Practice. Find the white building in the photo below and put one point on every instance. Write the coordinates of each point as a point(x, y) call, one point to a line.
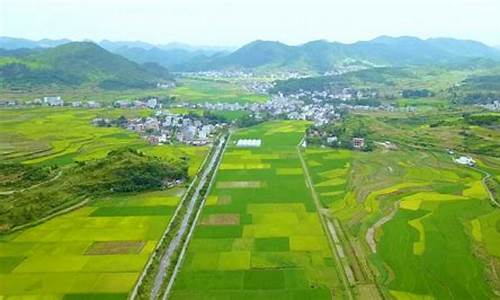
point(53, 101)
point(465, 160)
point(151, 103)
point(249, 143)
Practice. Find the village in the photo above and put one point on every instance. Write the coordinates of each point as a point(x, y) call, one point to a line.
point(165, 127)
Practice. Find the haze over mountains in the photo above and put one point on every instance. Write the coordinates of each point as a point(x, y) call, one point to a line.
point(135, 64)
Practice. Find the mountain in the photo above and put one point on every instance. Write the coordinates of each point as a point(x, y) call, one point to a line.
point(316, 56)
point(323, 56)
point(78, 63)
point(9, 43)
point(168, 58)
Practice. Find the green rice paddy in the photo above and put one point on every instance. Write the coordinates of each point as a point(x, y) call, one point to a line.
point(259, 234)
point(62, 136)
point(442, 241)
point(201, 91)
point(97, 251)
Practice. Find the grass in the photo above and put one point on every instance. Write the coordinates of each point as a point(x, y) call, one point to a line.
point(279, 248)
point(201, 91)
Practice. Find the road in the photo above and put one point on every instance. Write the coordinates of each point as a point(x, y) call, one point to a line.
point(185, 224)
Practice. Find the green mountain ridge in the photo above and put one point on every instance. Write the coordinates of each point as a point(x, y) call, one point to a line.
point(323, 56)
point(75, 64)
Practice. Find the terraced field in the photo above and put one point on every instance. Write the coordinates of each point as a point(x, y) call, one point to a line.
point(423, 224)
point(62, 136)
point(259, 235)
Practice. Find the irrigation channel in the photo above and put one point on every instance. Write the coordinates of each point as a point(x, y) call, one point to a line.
point(186, 216)
point(349, 260)
point(335, 245)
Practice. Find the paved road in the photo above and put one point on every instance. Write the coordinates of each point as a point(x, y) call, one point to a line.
point(185, 225)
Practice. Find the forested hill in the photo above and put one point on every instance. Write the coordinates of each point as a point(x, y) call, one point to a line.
point(323, 56)
point(75, 64)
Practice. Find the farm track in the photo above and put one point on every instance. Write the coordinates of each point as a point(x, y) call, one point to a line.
point(485, 186)
point(33, 186)
point(187, 222)
point(335, 244)
point(370, 233)
point(63, 211)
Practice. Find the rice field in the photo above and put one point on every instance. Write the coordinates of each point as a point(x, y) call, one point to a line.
point(259, 234)
point(201, 91)
point(439, 238)
point(62, 136)
point(97, 251)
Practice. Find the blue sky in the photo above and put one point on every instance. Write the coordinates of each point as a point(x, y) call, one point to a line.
point(235, 22)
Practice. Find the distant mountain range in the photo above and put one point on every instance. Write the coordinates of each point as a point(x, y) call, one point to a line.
point(322, 56)
point(316, 56)
point(76, 64)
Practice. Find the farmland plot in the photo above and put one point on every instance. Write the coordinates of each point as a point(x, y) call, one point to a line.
point(259, 234)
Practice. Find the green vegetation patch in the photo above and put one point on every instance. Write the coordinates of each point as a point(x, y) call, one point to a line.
point(158, 210)
point(96, 296)
point(272, 244)
point(9, 263)
point(264, 280)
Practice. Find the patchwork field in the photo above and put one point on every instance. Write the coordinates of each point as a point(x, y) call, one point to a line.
point(197, 90)
point(259, 234)
point(95, 252)
point(434, 233)
point(98, 250)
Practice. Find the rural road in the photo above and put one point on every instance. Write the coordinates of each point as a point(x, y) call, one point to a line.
point(177, 240)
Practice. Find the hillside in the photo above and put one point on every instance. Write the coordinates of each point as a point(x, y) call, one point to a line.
point(322, 56)
point(75, 64)
point(168, 58)
point(122, 170)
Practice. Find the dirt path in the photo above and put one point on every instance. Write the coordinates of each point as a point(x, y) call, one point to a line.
point(33, 186)
point(485, 186)
point(55, 214)
point(370, 233)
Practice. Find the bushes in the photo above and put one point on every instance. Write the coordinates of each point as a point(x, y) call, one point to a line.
point(128, 170)
point(17, 175)
point(123, 170)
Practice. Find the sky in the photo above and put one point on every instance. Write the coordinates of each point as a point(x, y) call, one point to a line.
point(236, 22)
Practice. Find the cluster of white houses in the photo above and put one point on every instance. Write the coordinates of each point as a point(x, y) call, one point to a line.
point(165, 127)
